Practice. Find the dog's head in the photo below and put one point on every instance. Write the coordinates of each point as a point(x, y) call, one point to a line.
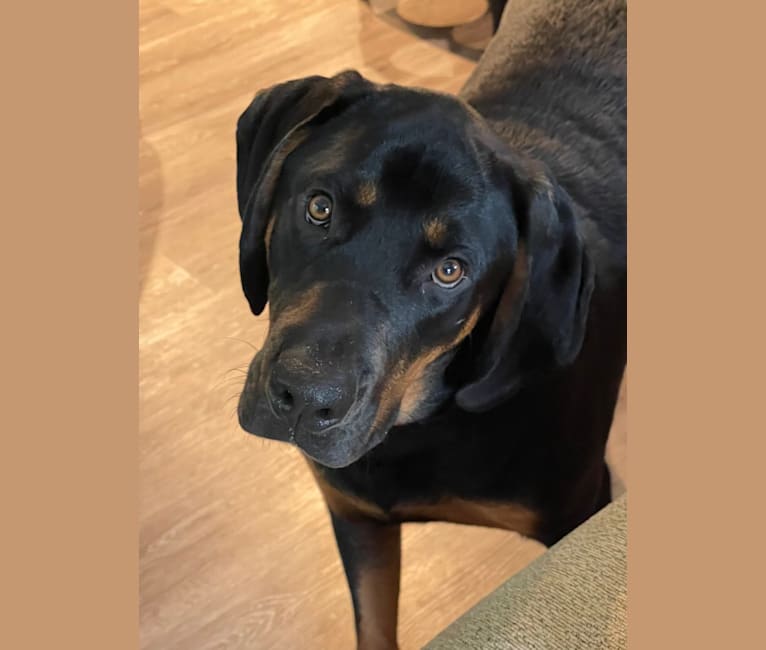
point(385, 226)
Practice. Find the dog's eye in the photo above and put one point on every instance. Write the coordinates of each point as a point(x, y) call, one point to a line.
point(319, 210)
point(448, 273)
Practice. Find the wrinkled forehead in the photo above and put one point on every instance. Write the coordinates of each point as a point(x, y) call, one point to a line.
point(399, 150)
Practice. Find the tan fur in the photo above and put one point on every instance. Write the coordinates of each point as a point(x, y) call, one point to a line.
point(343, 505)
point(388, 397)
point(407, 384)
point(377, 580)
point(267, 236)
point(510, 306)
point(293, 141)
point(543, 184)
point(366, 194)
point(411, 400)
point(299, 312)
point(435, 231)
point(510, 516)
point(377, 592)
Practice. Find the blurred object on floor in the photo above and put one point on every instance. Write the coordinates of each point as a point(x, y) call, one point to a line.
point(474, 35)
point(441, 13)
point(463, 28)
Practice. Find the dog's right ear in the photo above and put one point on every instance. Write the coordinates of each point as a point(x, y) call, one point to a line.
point(269, 129)
point(540, 320)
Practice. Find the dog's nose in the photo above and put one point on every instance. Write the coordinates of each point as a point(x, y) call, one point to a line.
point(309, 396)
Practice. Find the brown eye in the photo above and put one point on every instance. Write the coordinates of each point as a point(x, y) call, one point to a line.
point(319, 209)
point(449, 273)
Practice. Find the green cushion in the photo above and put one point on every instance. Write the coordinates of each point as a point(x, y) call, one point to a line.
point(570, 598)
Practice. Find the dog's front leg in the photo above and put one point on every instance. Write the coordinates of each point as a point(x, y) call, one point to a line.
point(371, 553)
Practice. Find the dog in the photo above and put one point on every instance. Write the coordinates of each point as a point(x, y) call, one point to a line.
point(446, 280)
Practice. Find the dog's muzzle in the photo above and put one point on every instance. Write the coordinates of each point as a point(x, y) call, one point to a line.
point(308, 396)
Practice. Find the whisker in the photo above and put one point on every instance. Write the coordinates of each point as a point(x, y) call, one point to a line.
point(227, 382)
point(234, 338)
point(228, 399)
point(242, 369)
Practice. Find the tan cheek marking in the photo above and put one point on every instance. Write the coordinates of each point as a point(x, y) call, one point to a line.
point(415, 382)
point(468, 326)
point(367, 194)
point(510, 516)
point(298, 313)
point(413, 396)
point(435, 231)
point(403, 377)
point(391, 393)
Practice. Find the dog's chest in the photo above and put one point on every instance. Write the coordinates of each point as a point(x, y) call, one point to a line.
point(396, 494)
point(510, 516)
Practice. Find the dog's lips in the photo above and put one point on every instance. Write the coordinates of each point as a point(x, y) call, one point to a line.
point(338, 448)
point(344, 443)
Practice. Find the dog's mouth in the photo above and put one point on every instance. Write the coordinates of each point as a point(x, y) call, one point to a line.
point(340, 447)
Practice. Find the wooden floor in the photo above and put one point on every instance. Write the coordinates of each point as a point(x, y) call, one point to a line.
point(236, 547)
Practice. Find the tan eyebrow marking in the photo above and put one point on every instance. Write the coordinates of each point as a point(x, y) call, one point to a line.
point(435, 231)
point(366, 194)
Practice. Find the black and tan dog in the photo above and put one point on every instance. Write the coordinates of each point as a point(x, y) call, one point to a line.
point(446, 279)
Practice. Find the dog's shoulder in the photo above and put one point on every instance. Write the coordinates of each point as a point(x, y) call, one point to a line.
point(552, 84)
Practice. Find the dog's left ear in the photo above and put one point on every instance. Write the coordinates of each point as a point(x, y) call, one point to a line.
point(267, 132)
point(540, 319)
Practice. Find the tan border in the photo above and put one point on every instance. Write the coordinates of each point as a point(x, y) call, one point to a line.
point(69, 478)
point(696, 239)
point(69, 470)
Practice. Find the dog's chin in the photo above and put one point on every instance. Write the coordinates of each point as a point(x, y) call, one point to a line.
point(335, 455)
point(340, 447)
